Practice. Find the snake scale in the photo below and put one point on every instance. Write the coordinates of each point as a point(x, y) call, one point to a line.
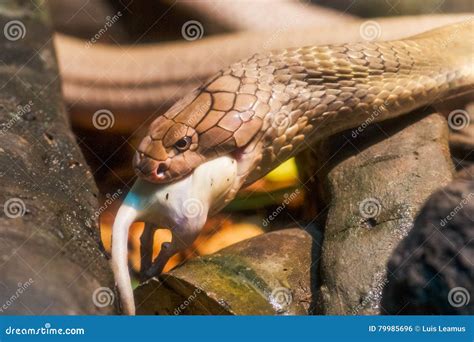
point(266, 108)
point(159, 74)
point(258, 112)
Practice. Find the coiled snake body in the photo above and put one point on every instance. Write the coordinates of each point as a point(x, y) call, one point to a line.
point(266, 108)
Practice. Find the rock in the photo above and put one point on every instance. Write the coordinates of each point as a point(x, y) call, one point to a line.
point(431, 272)
point(266, 275)
point(372, 180)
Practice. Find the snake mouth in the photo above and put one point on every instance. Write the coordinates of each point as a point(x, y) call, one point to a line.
point(152, 177)
point(151, 169)
point(161, 171)
point(238, 154)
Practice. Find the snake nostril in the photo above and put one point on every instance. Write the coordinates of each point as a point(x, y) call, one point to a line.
point(161, 169)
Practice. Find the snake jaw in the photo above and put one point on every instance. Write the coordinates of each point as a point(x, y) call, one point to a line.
point(168, 170)
point(152, 170)
point(182, 206)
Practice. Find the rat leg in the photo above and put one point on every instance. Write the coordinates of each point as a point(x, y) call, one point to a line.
point(146, 249)
point(168, 249)
point(166, 252)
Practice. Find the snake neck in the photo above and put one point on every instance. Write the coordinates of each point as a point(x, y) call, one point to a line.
point(310, 93)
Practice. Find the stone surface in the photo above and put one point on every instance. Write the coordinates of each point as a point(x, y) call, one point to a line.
point(266, 275)
point(373, 180)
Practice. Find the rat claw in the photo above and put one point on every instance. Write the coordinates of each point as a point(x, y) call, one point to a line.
point(159, 263)
point(146, 250)
point(179, 242)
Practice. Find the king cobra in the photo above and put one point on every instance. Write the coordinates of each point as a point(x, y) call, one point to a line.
point(266, 108)
point(159, 74)
point(257, 113)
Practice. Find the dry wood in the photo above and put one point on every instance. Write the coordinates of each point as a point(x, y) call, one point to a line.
point(51, 261)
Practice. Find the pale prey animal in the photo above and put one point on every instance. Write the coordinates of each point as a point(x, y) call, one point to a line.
point(182, 207)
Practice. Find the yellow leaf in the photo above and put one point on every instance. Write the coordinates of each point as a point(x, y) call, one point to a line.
point(286, 172)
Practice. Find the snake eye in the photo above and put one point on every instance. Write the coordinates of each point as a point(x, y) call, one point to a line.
point(183, 143)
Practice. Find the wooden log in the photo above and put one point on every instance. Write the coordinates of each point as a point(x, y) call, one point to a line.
point(51, 260)
point(266, 275)
point(374, 180)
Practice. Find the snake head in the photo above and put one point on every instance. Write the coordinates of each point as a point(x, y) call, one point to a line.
point(174, 147)
point(169, 152)
point(213, 121)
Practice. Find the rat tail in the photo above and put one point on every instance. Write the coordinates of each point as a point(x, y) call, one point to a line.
point(124, 219)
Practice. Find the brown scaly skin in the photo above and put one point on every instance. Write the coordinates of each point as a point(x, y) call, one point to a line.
point(265, 109)
point(158, 74)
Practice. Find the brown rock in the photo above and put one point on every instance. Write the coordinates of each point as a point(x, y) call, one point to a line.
point(374, 181)
point(266, 275)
